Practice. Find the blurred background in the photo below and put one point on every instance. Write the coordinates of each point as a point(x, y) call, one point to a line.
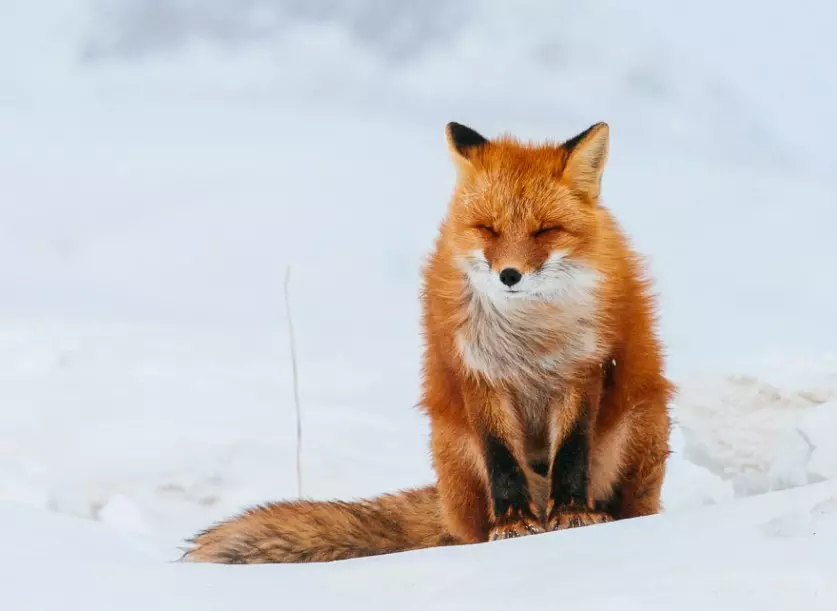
point(163, 162)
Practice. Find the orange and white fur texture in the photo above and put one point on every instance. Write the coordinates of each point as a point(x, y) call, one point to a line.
point(542, 372)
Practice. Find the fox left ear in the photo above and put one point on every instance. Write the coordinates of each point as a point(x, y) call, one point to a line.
point(587, 156)
point(463, 141)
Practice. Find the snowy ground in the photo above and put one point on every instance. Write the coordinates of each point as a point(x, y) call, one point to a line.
point(154, 192)
point(756, 554)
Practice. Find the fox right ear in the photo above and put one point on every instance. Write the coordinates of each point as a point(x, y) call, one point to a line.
point(587, 155)
point(463, 141)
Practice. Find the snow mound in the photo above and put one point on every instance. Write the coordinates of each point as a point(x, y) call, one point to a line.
point(762, 436)
point(774, 551)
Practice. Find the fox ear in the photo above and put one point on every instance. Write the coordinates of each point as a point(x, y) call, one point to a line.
point(587, 156)
point(463, 141)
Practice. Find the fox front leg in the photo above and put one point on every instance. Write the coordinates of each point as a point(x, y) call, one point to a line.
point(570, 504)
point(514, 514)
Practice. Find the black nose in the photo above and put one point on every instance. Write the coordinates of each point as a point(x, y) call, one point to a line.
point(510, 276)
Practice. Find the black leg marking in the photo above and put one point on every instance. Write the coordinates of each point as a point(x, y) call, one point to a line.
point(608, 375)
point(571, 469)
point(509, 490)
point(541, 467)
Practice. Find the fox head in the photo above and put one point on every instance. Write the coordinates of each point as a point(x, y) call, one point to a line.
point(523, 221)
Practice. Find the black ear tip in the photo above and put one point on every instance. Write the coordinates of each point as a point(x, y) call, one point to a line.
point(453, 127)
point(570, 144)
point(463, 137)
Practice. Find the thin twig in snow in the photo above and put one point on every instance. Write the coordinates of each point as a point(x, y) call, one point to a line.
point(296, 387)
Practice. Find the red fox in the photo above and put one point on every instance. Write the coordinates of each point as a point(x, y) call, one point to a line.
point(542, 372)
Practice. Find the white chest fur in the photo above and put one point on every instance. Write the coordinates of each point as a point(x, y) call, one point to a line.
point(527, 342)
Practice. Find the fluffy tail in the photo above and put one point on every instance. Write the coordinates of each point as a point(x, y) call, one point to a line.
point(319, 531)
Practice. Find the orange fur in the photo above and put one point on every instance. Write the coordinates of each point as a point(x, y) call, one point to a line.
point(308, 531)
point(506, 192)
point(575, 344)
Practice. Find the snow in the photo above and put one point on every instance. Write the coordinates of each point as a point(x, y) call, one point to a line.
point(163, 164)
point(760, 553)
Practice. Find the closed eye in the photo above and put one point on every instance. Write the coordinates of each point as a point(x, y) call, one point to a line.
point(547, 230)
point(488, 229)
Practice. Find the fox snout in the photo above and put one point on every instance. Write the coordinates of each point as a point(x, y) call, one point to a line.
point(558, 277)
point(510, 276)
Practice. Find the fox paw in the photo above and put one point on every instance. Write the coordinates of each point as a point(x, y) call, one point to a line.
point(513, 527)
point(570, 517)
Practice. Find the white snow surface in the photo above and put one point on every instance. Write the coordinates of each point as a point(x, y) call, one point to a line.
point(163, 163)
point(757, 554)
